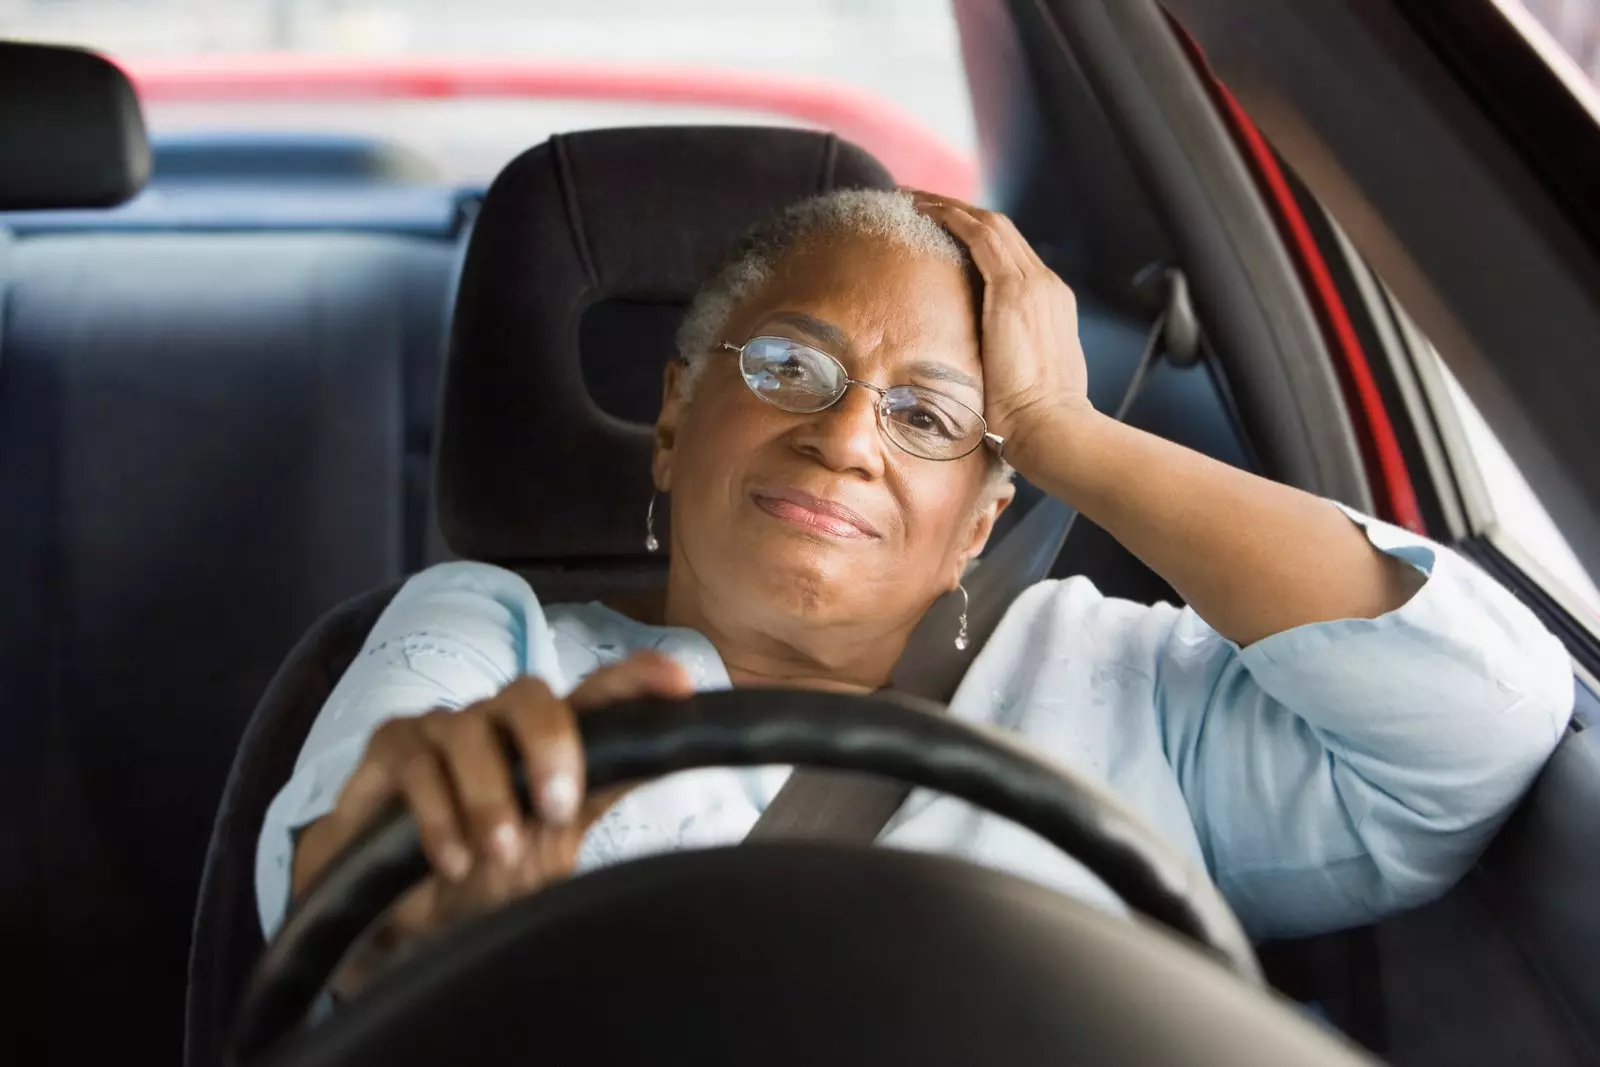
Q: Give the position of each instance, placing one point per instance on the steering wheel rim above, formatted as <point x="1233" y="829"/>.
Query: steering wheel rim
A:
<point x="888" y="734"/>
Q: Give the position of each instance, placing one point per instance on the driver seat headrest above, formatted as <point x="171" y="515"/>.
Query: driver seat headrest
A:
<point x="585" y="252"/>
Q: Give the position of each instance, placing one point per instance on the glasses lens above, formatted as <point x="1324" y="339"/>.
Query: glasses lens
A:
<point x="930" y="424"/>
<point x="791" y="375"/>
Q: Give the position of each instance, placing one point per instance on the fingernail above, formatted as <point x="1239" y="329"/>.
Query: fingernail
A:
<point x="558" y="800"/>
<point x="507" y="844"/>
<point x="456" y="859"/>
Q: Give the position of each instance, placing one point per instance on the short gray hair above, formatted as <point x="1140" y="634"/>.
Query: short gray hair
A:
<point x="879" y="214"/>
<point x="882" y="214"/>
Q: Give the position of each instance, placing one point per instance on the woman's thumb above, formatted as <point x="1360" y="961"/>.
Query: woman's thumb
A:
<point x="642" y="674"/>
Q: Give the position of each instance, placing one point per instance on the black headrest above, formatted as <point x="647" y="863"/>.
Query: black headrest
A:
<point x="71" y="134"/>
<point x="584" y="253"/>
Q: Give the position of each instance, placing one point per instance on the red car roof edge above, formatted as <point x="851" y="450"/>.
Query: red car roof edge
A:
<point x="914" y="155"/>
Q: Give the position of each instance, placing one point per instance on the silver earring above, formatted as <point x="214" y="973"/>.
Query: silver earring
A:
<point x="961" y="634"/>
<point x="650" y="542"/>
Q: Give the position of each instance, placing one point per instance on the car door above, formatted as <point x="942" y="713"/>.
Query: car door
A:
<point x="1442" y="170"/>
<point x="1386" y="213"/>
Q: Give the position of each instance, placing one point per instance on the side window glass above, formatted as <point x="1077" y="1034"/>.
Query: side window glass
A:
<point x="1515" y="511"/>
<point x="1568" y="29"/>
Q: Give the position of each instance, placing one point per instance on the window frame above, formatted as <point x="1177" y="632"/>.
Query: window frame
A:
<point x="1472" y="524"/>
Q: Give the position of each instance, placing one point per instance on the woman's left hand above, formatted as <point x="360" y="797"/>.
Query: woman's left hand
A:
<point x="1033" y="368"/>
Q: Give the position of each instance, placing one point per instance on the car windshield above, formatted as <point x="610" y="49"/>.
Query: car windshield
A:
<point x="467" y="85"/>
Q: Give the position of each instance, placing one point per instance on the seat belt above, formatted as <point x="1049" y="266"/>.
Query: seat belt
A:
<point x="839" y="806"/>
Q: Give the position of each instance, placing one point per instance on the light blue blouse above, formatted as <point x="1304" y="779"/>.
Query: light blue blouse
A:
<point x="1324" y="776"/>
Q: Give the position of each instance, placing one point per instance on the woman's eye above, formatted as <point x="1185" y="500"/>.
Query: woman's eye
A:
<point x="927" y="420"/>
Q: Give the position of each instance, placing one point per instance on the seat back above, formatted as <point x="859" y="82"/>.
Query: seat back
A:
<point x="202" y="442"/>
<point x="227" y="933"/>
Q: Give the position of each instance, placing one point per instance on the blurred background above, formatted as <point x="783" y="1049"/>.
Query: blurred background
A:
<point x="900" y="54"/>
<point x="455" y="90"/>
<point x="896" y="58"/>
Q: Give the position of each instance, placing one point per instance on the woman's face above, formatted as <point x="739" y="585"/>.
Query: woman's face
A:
<point x="784" y="520"/>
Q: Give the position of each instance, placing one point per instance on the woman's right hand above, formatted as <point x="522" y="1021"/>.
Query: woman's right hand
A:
<point x="451" y="771"/>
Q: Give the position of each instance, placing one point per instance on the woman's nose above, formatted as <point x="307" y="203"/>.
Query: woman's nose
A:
<point x="845" y="435"/>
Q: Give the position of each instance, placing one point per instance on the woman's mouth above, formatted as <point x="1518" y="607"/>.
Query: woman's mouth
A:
<point x="814" y="514"/>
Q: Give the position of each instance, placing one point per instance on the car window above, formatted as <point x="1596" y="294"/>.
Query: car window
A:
<point x="1566" y="34"/>
<point x="884" y="71"/>
<point x="1477" y="487"/>
<point x="1512" y="514"/>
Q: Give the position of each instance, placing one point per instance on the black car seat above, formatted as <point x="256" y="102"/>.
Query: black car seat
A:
<point x="584" y="252"/>
<point x="203" y="444"/>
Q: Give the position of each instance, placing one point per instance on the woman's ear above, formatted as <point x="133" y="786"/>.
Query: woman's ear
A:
<point x="666" y="432"/>
<point x="982" y="526"/>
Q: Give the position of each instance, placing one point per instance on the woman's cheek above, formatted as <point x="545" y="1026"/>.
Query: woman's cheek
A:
<point x="937" y="513"/>
<point x="721" y="421"/>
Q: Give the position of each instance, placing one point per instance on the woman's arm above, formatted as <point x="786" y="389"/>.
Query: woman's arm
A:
<point x="454" y="634"/>
<point x="462" y="652"/>
<point x="1340" y="771"/>
<point x="1252" y="557"/>
<point x="1390" y="702"/>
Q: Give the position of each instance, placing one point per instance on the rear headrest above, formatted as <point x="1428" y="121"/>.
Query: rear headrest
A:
<point x="71" y="133"/>
<point x="584" y="253"/>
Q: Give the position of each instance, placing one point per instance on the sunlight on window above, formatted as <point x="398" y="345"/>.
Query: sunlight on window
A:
<point x="1517" y="510"/>
<point x="1565" y="32"/>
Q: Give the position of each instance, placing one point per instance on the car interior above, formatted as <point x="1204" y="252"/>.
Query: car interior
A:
<point x="231" y="423"/>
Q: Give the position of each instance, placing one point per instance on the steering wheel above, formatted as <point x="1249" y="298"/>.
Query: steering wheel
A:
<point x="902" y="926"/>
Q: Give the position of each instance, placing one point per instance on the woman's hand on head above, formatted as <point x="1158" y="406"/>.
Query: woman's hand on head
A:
<point x="451" y="770"/>
<point x="1033" y="366"/>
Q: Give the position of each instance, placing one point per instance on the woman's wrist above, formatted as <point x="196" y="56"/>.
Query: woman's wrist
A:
<point x="1047" y="446"/>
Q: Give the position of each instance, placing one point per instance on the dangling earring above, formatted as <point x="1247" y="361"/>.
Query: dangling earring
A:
<point x="650" y="542"/>
<point x="961" y="634"/>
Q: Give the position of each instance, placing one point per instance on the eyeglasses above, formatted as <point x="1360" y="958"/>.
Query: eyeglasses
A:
<point x="799" y="378"/>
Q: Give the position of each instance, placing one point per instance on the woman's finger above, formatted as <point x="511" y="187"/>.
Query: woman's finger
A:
<point x="642" y="674"/>
<point x="1021" y="247"/>
<point x="481" y="782"/>
<point x="553" y="854"/>
<point x="1018" y="248"/>
<point x="399" y="761"/>
<point x="369" y="788"/>
<point x="990" y="249"/>
<point x="420" y="778"/>
<point x="546" y="734"/>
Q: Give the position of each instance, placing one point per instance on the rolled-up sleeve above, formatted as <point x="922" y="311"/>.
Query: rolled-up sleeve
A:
<point x="454" y="634"/>
<point x="1343" y="770"/>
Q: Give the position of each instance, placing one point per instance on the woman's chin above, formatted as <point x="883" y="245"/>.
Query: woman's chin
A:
<point x="797" y="577"/>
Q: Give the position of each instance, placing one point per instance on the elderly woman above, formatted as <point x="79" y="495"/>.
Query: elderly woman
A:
<point x="1333" y="727"/>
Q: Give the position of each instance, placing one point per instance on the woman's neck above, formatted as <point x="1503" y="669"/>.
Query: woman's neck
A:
<point x="754" y="658"/>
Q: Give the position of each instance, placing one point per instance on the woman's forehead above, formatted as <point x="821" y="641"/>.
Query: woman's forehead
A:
<point x="859" y="296"/>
